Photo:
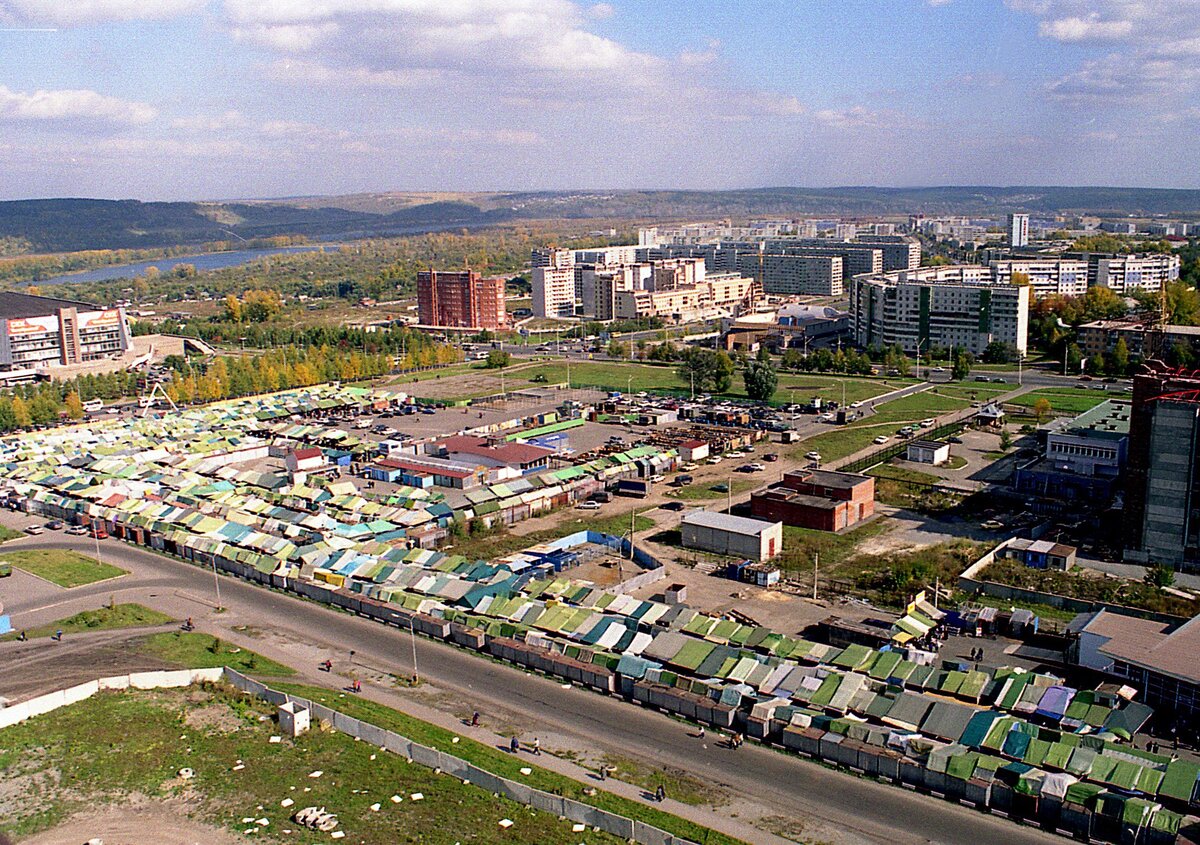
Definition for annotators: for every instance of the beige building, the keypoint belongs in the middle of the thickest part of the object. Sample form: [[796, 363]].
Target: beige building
[[553, 291], [719, 293]]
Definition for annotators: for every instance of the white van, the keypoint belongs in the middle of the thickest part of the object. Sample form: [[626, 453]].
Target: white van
[[93, 405]]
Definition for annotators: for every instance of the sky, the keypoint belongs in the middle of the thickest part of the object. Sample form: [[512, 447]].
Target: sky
[[224, 99]]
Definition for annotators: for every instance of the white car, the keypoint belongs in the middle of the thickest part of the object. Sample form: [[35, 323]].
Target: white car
[[883, 438], [657, 478], [856, 404], [689, 467], [757, 467], [735, 454], [714, 460], [589, 506], [927, 423], [34, 529], [813, 456]]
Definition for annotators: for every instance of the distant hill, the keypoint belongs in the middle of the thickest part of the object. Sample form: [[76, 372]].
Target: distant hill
[[54, 225]]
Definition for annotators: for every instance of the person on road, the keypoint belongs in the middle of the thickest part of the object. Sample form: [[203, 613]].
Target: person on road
[[537, 747], [660, 793], [701, 734], [357, 685], [58, 635], [22, 637], [475, 719], [514, 745], [327, 665]]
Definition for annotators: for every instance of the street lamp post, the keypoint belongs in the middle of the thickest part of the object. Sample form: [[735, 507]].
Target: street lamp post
[[919, 342], [416, 676], [216, 580]]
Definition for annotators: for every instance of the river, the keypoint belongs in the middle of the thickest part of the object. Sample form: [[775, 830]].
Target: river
[[202, 261]]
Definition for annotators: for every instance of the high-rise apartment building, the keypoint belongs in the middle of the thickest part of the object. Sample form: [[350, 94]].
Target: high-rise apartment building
[[952, 306], [1018, 230], [460, 299], [815, 275], [1162, 485], [1047, 276], [1125, 273], [553, 291]]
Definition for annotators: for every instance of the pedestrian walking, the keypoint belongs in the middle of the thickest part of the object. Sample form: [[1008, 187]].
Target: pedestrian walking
[[357, 685], [702, 732], [58, 635], [660, 794], [475, 719], [537, 747], [514, 745]]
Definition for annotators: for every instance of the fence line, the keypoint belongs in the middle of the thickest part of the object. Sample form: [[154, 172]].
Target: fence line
[[617, 825]]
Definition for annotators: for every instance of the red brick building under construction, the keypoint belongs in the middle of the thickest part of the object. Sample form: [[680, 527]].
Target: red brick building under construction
[[820, 499], [460, 299]]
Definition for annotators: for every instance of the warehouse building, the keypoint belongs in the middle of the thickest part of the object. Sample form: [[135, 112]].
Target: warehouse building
[[735, 536], [819, 499], [37, 332]]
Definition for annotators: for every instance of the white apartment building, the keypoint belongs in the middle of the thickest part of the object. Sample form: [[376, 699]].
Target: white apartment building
[[818, 275], [553, 291], [719, 294], [1018, 230], [1046, 277], [600, 286], [954, 306], [1124, 273], [551, 257]]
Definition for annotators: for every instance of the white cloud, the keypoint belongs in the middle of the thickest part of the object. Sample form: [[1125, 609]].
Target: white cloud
[[602, 11], [1155, 45], [82, 12], [65, 105]]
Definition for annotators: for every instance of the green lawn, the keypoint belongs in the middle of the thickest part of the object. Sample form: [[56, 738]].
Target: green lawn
[[973, 391], [704, 491], [500, 763], [203, 651], [1067, 400], [899, 473], [846, 440], [104, 618], [133, 743], [63, 566], [617, 375], [9, 534], [800, 544]]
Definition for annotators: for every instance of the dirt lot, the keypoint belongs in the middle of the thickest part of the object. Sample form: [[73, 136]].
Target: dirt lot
[[136, 823], [40, 666]]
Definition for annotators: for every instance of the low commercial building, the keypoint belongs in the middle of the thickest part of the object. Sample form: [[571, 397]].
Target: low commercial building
[[1157, 658], [717, 295], [522, 458], [949, 306], [819, 499], [1038, 554], [736, 536], [928, 452], [1082, 458], [693, 450], [41, 332]]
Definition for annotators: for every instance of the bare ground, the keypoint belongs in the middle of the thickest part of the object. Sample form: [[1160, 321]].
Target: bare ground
[[137, 822], [40, 666]]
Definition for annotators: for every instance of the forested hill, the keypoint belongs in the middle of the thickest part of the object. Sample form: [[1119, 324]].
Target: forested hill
[[53, 225]]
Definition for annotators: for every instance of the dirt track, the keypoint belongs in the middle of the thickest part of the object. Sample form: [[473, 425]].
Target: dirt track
[[43, 665]]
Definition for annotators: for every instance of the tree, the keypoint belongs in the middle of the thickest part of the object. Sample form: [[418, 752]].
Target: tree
[[74, 406], [233, 309], [1042, 408], [1118, 362], [1020, 279], [1095, 365], [761, 380], [1005, 440], [617, 349], [20, 409], [184, 271], [962, 364], [707, 369], [1183, 305], [1074, 356], [261, 305], [999, 352], [497, 359], [1160, 576]]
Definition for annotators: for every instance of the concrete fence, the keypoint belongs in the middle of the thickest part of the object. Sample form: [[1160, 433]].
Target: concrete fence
[[72, 695], [575, 811]]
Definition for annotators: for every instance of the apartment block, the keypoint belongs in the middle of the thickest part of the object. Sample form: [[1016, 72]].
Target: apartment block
[[1125, 273], [553, 291], [1142, 340], [801, 274], [460, 299], [719, 294], [1018, 230], [1047, 277], [951, 306]]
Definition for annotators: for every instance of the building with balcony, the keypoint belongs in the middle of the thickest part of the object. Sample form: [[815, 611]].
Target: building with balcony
[[460, 299], [41, 332]]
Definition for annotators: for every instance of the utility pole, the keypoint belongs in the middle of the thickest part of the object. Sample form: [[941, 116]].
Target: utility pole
[[816, 568], [413, 632], [729, 492], [216, 580]]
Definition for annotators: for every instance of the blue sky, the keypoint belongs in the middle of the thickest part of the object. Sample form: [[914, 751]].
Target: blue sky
[[218, 99]]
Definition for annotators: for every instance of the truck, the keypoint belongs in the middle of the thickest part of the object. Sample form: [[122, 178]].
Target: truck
[[638, 487]]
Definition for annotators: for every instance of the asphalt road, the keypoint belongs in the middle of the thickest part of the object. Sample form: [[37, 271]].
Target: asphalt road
[[872, 812]]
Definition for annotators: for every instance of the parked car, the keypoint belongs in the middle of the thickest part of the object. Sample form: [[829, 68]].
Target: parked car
[[98, 531], [954, 440], [673, 506], [883, 438], [757, 467], [720, 488], [927, 423], [54, 525], [589, 505], [813, 455], [745, 468], [735, 454], [770, 457], [34, 529], [77, 530], [714, 460], [683, 480]]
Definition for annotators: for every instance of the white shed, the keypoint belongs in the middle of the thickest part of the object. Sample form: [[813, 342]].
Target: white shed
[[928, 452]]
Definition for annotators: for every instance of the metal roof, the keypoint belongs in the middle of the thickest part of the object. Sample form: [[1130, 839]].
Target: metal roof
[[726, 522]]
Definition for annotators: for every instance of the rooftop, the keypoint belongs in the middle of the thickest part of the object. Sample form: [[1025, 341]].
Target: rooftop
[[928, 444], [1158, 646], [828, 478], [726, 522], [513, 453], [17, 306], [1107, 418]]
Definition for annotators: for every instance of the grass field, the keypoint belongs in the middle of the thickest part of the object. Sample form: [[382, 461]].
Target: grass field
[[619, 375], [694, 492], [800, 544], [63, 566], [846, 440], [1067, 400], [9, 534], [134, 743], [105, 618], [973, 391], [203, 651], [506, 765]]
